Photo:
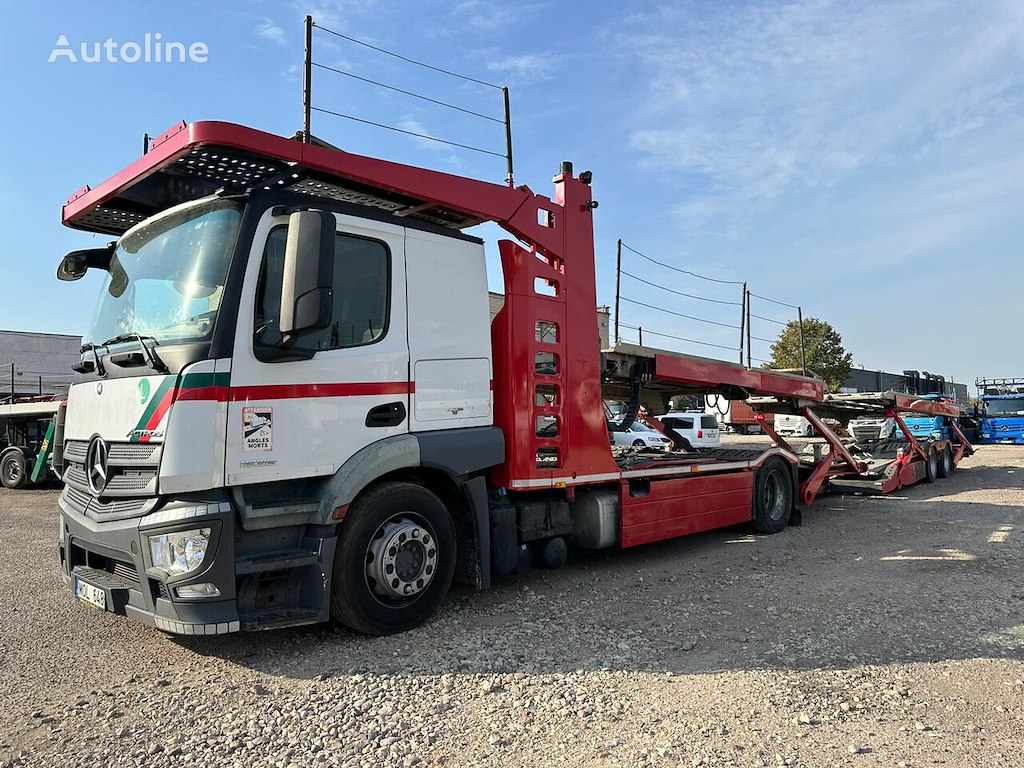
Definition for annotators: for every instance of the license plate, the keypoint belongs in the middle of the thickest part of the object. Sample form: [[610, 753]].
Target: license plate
[[89, 595]]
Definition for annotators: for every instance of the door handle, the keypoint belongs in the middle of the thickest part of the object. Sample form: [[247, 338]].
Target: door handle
[[387, 415]]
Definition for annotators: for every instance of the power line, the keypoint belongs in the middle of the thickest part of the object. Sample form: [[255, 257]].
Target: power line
[[682, 338], [680, 293], [408, 133], [678, 314], [773, 301], [768, 319], [408, 93], [684, 271], [405, 58]]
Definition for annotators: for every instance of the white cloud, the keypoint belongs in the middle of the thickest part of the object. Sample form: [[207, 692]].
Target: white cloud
[[527, 67], [752, 102], [269, 31], [432, 143], [488, 17], [333, 14]]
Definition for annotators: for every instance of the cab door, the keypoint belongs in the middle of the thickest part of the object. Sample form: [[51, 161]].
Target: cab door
[[305, 417]]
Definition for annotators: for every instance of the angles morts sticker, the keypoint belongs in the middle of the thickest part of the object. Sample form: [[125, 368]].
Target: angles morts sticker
[[257, 428]]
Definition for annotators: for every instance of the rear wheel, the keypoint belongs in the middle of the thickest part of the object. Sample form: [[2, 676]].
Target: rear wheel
[[931, 465], [394, 560], [946, 462], [13, 473], [773, 496]]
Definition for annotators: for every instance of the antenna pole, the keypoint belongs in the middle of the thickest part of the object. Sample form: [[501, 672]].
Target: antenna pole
[[307, 80], [508, 136], [618, 279]]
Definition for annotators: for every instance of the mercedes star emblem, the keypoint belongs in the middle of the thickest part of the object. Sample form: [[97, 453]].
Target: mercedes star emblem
[[96, 465]]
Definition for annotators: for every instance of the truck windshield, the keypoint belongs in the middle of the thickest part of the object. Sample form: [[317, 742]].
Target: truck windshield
[[1013, 406], [166, 277]]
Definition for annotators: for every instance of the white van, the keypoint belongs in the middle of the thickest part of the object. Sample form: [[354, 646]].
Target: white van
[[700, 429], [787, 425]]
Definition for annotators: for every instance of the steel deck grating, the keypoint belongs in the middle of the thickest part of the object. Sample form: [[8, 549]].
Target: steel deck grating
[[204, 169]]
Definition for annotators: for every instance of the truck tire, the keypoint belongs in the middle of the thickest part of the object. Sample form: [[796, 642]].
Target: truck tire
[[946, 462], [394, 560], [931, 465], [773, 496], [13, 471]]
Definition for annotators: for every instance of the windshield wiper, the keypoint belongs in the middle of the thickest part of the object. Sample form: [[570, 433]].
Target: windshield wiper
[[86, 366], [149, 356]]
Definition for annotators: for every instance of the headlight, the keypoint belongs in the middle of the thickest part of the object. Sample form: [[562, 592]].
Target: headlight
[[179, 552]]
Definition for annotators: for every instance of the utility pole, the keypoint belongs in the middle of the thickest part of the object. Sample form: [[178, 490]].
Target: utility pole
[[803, 357]]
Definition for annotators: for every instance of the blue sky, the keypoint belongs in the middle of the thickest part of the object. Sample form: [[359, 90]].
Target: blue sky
[[862, 160]]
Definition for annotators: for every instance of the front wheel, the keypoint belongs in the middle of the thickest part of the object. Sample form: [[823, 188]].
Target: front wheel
[[13, 473], [773, 496], [394, 560], [639, 444]]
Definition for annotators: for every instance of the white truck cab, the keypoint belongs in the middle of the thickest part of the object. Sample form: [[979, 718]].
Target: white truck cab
[[873, 428]]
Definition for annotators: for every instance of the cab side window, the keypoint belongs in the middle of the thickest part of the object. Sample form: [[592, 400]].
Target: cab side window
[[362, 280]]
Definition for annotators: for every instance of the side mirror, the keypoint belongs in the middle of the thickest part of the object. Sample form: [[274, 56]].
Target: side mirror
[[307, 286], [77, 263]]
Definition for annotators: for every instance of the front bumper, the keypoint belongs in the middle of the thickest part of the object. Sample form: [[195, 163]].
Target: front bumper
[[266, 578]]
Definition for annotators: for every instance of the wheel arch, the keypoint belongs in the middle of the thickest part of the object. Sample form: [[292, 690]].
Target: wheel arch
[[451, 465]]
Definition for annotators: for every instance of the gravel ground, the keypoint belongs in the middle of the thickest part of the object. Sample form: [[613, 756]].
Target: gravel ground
[[883, 632]]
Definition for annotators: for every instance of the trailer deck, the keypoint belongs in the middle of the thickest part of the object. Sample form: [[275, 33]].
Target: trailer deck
[[872, 466]]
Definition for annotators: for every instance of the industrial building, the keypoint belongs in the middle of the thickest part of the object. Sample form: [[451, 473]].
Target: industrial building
[[33, 364], [913, 382]]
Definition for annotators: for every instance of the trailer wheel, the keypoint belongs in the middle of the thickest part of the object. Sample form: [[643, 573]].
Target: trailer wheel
[[946, 462], [931, 465], [773, 496], [13, 473], [394, 560]]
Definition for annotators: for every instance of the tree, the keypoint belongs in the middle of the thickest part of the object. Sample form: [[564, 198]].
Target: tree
[[823, 348]]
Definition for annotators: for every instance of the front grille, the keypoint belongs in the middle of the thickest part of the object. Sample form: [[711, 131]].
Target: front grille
[[75, 450], [75, 475], [866, 433], [131, 481], [132, 468], [132, 451], [76, 499], [114, 509], [125, 572]]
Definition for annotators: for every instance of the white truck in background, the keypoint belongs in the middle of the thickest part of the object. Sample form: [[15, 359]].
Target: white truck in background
[[873, 428]]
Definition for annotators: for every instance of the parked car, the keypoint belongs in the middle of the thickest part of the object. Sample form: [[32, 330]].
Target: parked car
[[642, 436], [787, 425], [699, 429]]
